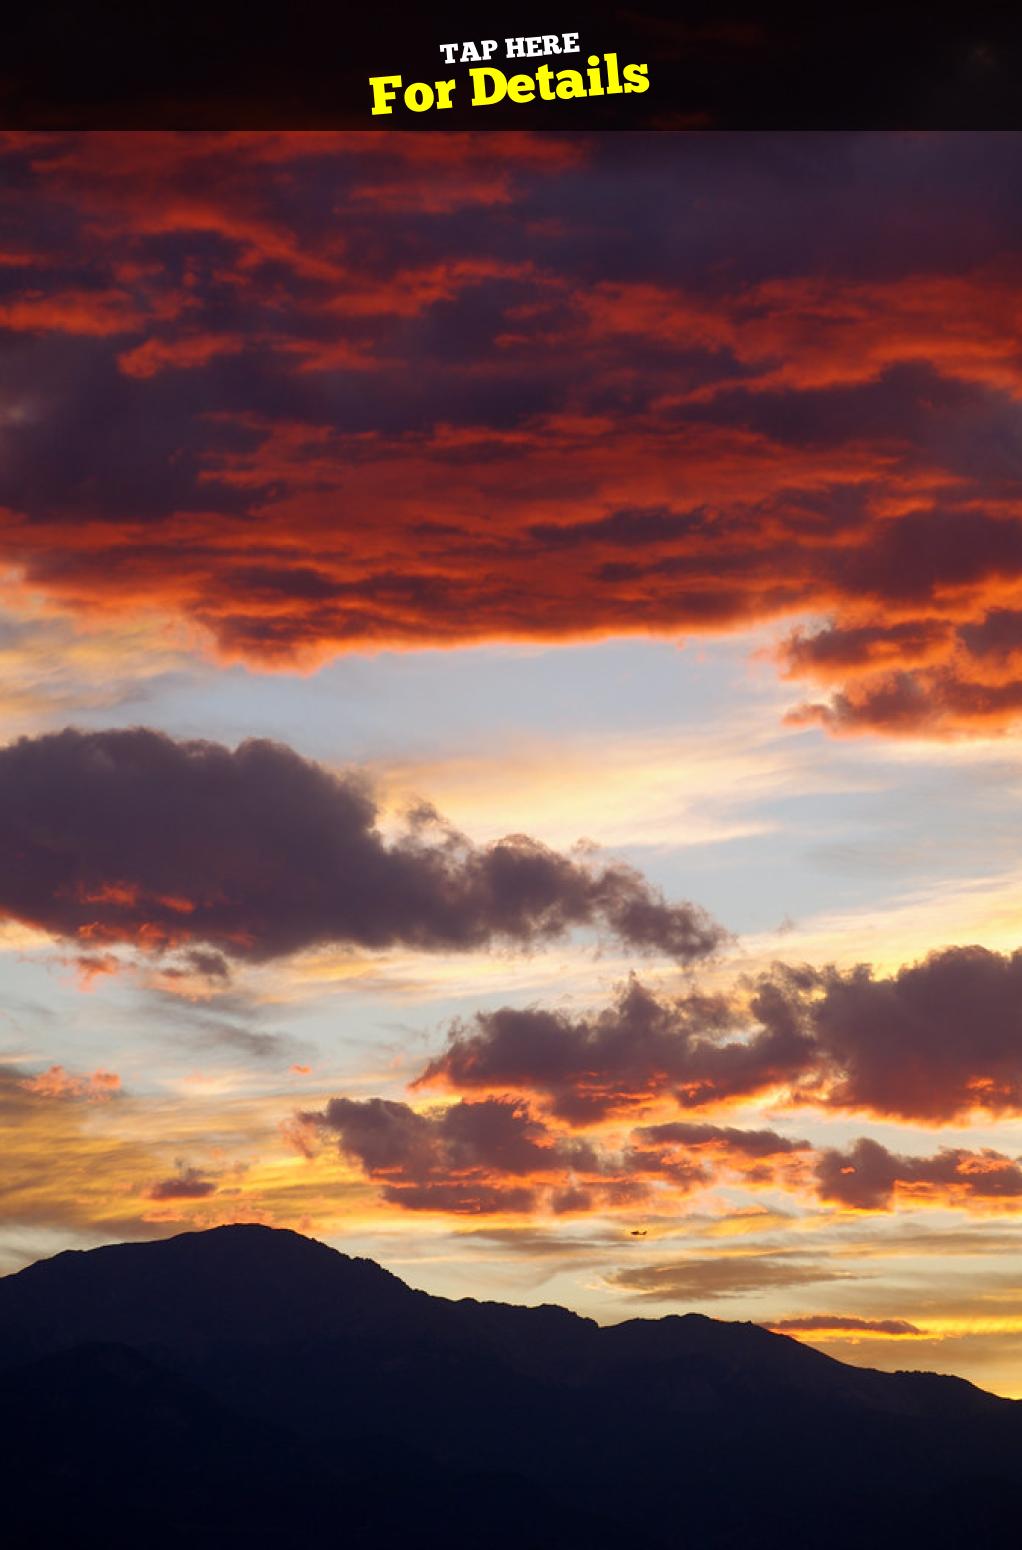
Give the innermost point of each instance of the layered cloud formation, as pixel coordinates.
(545, 1103)
(785, 390)
(495, 1155)
(498, 1156)
(814, 1040)
(936, 1040)
(198, 855)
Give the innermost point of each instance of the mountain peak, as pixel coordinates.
(235, 1242)
(244, 1282)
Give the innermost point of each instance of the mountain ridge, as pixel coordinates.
(369, 1275)
(299, 1362)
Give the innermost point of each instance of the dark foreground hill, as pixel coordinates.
(251, 1387)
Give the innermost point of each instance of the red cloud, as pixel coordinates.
(298, 400)
(186, 1184)
(183, 353)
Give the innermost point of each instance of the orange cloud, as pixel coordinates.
(75, 1163)
(868, 1177)
(58, 1083)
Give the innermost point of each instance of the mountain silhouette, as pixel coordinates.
(248, 1385)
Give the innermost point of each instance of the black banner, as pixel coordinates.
(729, 65)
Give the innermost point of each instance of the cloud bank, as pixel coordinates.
(319, 393)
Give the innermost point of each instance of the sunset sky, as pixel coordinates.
(511, 695)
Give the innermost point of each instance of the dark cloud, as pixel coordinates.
(705, 1279)
(494, 1154)
(865, 647)
(626, 528)
(188, 1184)
(211, 966)
(129, 836)
(868, 1176)
(934, 701)
(690, 1154)
(470, 1157)
(751, 1143)
(999, 635)
(935, 1040)
(619, 1059)
(825, 1323)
